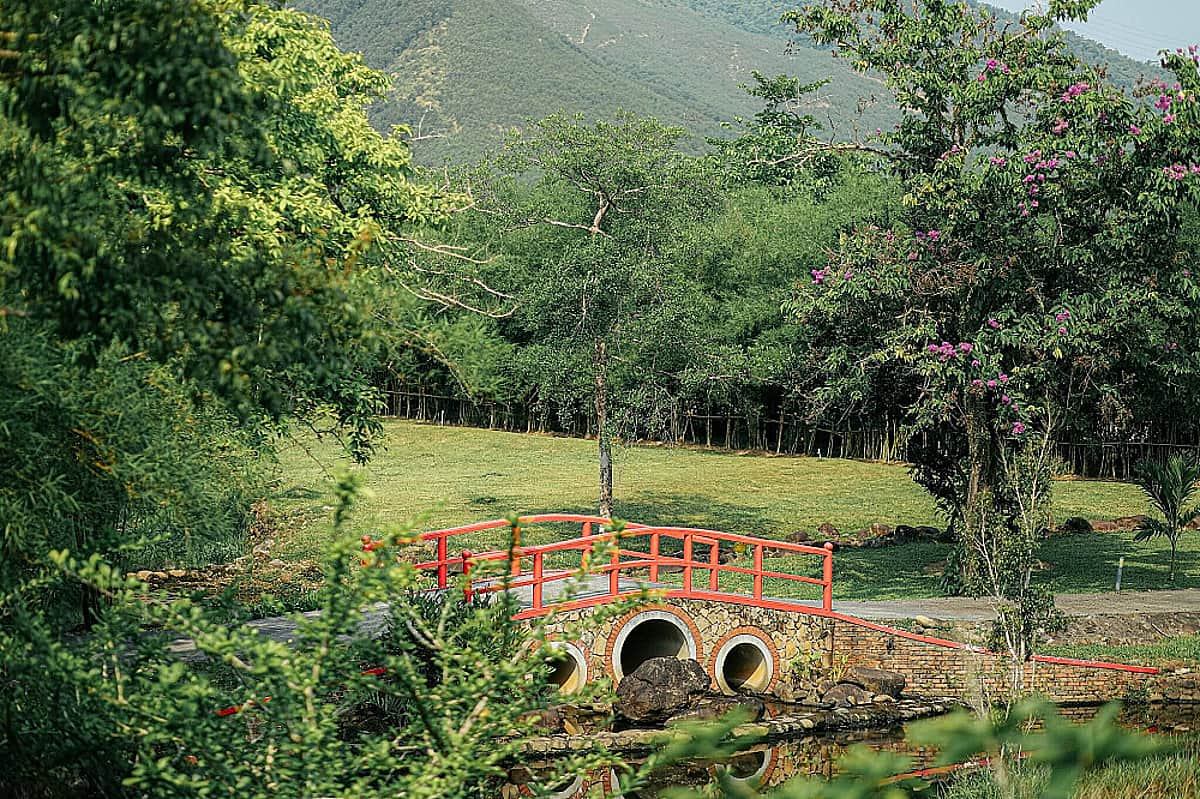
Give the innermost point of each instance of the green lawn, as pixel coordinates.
(1176, 648)
(449, 476)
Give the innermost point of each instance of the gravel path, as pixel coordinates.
(966, 609)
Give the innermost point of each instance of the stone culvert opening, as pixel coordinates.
(569, 670)
(653, 634)
(744, 663)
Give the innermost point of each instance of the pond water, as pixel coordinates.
(774, 763)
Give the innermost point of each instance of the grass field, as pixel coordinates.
(448, 476)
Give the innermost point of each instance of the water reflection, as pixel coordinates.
(771, 764)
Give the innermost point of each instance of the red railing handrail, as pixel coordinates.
(621, 559)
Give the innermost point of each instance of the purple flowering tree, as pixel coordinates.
(1039, 277)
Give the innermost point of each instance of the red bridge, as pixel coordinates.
(718, 603)
(699, 556)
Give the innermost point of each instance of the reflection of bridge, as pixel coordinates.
(717, 602)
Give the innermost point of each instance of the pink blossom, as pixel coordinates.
(1062, 331)
(1003, 378)
(1006, 399)
(1074, 90)
(912, 256)
(977, 383)
(1168, 119)
(848, 274)
(1018, 428)
(991, 384)
(1163, 102)
(1135, 130)
(992, 323)
(1062, 317)
(976, 363)
(1069, 154)
(1060, 127)
(998, 160)
(965, 347)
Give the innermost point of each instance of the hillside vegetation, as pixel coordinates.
(466, 71)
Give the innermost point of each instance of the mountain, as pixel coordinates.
(468, 71)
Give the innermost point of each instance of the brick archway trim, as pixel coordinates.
(776, 671)
(624, 621)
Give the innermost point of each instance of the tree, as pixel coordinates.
(1037, 274)
(583, 246)
(1171, 488)
(198, 226)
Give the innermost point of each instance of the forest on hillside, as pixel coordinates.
(462, 86)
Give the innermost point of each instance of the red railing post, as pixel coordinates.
(654, 557)
(537, 581)
(758, 571)
(714, 560)
(827, 577)
(466, 570)
(515, 563)
(442, 556)
(687, 563)
(614, 575)
(587, 529)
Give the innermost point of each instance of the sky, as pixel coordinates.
(1137, 28)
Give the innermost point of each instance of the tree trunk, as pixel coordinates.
(981, 457)
(604, 441)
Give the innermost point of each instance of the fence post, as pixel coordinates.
(654, 557)
(827, 578)
(442, 576)
(466, 570)
(714, 560)
(537, 581)
(587, 529)
(758, 571)
(687, 563)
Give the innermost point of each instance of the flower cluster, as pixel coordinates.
(1074, 90)
(819, 275)
(1060, 127)
(1180, 171)
(947, 350)
(997, 160)
(992, 65)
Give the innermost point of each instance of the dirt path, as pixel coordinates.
(966, 609)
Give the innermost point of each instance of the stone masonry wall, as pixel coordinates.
(972, 675)
(822, 643)
(787, 635)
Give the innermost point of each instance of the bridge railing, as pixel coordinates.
(443, 562)
(670, 560)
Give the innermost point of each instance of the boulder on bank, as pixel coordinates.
(877, 681)
(660, 688)
(1075, 524)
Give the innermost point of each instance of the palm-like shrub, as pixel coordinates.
(1171, 488)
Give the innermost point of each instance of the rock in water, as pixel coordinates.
(846, 694)
(716, 706)
(877, 681)
(659, 688)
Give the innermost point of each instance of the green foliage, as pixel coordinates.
(182, 268)
(114, 713)
(1171, 487)
(1009, 306)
